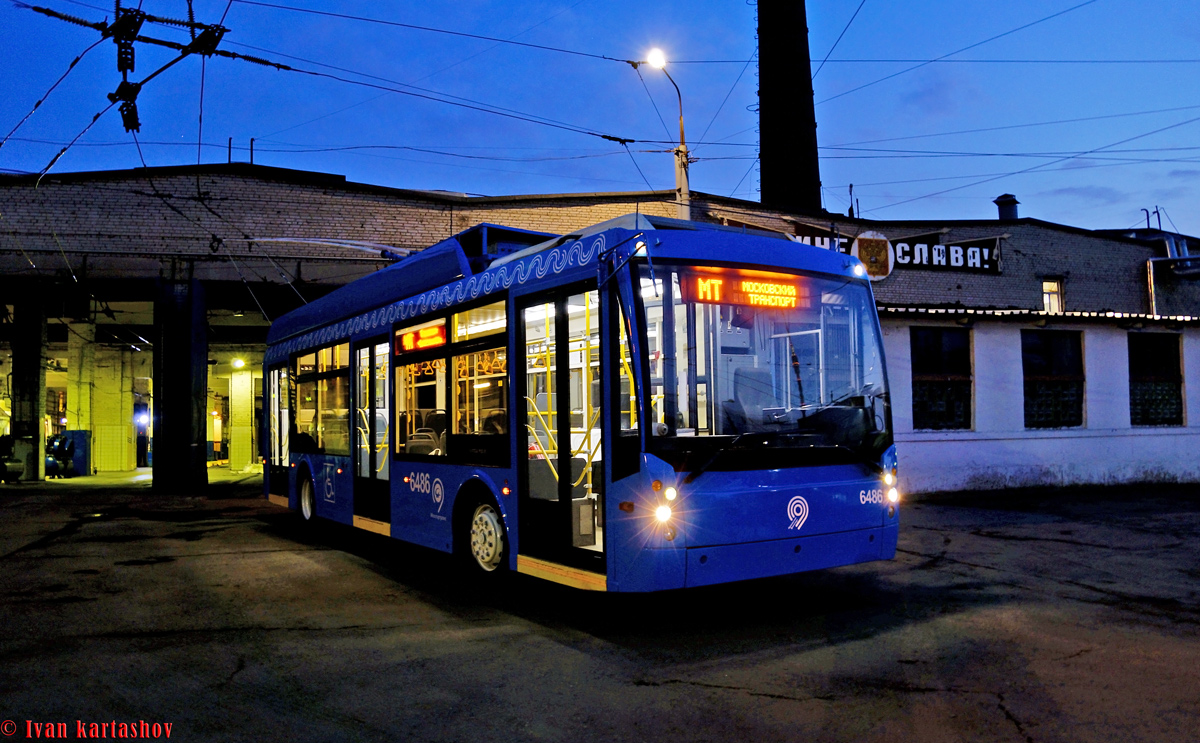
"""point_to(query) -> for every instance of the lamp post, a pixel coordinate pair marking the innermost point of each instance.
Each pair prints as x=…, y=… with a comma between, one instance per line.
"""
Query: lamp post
x=658, y=60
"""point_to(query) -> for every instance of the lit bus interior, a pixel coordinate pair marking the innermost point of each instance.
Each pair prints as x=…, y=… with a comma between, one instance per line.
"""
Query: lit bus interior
x=543, y=406
x=755, y=352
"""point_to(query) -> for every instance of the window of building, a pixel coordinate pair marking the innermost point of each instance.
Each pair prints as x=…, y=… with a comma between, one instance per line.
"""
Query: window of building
x=1052, y=296
x=1053, y=364
x=941, y=377
x=1155, y=379
x=323, y=401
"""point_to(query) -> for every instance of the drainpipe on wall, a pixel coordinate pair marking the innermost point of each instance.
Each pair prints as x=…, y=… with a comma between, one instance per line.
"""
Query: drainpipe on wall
x=1150, y=279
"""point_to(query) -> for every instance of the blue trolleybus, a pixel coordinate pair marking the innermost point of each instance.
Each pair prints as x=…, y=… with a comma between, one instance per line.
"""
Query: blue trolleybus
x=647, y=404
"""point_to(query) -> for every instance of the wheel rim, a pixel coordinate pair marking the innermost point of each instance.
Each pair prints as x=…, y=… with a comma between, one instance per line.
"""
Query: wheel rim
x=306, y=500
x=487, y=538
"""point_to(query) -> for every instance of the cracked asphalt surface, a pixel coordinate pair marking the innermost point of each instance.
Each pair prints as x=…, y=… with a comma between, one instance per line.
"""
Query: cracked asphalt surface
x=1032, y=616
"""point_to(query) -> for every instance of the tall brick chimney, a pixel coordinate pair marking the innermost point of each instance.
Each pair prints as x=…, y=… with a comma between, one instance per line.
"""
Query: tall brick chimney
x=791, y=176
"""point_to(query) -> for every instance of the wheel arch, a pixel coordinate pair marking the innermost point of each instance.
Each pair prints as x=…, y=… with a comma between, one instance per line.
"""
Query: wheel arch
x=472, y=491
x=304, y=472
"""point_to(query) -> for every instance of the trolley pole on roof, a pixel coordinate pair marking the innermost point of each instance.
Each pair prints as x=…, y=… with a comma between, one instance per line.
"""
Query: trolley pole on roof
x=682, y=192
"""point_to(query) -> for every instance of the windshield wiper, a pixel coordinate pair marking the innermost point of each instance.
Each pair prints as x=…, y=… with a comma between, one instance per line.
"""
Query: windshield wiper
x=693, y=474
x=766, y=437
x=857, y=455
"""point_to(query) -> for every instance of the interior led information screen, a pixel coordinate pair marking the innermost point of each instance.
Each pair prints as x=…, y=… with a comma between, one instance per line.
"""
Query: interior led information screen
x=744, y=288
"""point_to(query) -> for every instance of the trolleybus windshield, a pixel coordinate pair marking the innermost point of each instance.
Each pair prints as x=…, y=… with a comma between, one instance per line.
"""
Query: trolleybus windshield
x=740, y=356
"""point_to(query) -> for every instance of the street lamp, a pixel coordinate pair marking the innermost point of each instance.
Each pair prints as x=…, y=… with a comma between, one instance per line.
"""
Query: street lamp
x=658, y=60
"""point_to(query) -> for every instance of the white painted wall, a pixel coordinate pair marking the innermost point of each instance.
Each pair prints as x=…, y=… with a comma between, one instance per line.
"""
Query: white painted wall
x=897, y=352
x=1191, y=377
x=999, y=392
x=1001, y=453
x=1106, y=366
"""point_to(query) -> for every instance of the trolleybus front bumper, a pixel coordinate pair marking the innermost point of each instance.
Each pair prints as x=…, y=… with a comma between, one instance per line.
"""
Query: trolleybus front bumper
x=732, y=562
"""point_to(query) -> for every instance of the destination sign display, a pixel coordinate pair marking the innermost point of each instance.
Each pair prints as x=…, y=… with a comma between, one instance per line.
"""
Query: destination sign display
x=419, y=339
x=744, y=289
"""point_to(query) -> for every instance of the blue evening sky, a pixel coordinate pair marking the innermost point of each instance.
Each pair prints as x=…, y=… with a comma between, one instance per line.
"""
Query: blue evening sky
x=1100, y=104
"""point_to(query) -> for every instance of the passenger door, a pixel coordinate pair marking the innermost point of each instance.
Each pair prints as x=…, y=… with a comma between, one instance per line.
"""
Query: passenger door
x=372, y=414
x=280, y=423
x=560, y=406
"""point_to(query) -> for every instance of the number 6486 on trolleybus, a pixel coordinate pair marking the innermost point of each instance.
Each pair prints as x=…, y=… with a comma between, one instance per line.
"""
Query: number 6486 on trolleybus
x=647, y=404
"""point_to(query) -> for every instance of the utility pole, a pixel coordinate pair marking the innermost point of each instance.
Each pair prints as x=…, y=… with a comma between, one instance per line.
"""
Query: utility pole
x=683, y=196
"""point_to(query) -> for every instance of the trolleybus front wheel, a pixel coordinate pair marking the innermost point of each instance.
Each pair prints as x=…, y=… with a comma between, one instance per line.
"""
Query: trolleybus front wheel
x=485, y=539
x=308, y=500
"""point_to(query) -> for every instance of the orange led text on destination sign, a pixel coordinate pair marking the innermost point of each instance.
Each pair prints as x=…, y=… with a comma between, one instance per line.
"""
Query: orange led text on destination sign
x=415, y=340
x=747, y=292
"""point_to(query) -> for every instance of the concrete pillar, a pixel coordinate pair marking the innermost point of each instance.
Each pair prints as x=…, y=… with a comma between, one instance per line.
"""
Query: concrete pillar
x=29, y=385
x=180, y=388
x=113, y=442
x=241, y=420
x=81, y=371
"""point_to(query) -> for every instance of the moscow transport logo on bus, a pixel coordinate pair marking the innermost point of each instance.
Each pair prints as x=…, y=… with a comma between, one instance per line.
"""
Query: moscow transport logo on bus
x=797, y=510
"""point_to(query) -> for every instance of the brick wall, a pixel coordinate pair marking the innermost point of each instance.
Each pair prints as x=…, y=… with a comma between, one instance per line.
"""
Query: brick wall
x=131, y=220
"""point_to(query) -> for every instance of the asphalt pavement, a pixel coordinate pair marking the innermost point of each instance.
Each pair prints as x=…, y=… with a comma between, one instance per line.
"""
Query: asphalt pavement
x=1054, y=615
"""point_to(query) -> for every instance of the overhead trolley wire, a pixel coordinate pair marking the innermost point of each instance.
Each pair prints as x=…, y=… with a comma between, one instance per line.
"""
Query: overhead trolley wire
x=1014, y=61
x=1040, y=166
x=427, y=94
x=959, y=51
x=446, y=97
x=639, y=168
x=430, y=29
x=743, y=178
x=50, y=90
x=63, y=151
x=1020, y=126
x=725, y=100
x=420, y=79
x=413, y=91
x=839, y=39
x=652, y=103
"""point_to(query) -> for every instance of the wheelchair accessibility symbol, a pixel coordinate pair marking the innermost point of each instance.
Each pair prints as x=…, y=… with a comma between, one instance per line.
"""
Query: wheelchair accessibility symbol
x=330, y=491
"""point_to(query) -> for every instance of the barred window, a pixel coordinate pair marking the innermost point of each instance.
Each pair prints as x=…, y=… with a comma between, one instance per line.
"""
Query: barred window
x=1155, y=380
x=1053, y=364
x=941, y=377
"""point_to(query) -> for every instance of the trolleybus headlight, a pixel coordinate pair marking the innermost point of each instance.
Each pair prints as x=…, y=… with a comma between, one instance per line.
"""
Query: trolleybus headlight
x=889, y=479
x=663, y=514
x=893, y=495
x=670, y=493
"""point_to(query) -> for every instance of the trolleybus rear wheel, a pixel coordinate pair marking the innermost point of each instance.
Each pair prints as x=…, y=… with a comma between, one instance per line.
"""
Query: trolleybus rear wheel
x=486, y=540
x=308, y=500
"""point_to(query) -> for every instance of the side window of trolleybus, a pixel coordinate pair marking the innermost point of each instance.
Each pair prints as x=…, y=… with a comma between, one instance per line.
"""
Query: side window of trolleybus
x=421, y=404
x=323, y=401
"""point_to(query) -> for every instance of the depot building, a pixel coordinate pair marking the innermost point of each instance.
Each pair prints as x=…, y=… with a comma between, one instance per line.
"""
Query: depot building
x=134, y=307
